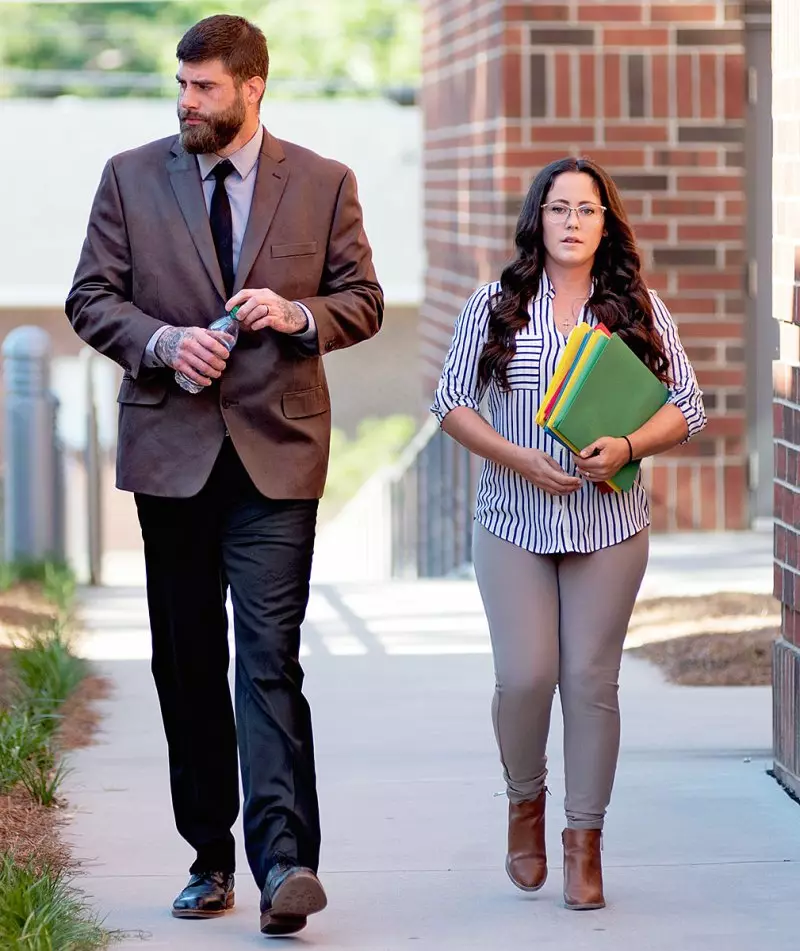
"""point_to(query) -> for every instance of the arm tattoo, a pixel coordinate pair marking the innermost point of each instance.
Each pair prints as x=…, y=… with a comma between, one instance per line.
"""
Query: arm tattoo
x=167, y=345
x=296, y=312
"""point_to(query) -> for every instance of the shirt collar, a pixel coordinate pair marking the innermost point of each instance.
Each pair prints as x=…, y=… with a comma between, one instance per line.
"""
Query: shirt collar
x=546, y=288
x=244, y=160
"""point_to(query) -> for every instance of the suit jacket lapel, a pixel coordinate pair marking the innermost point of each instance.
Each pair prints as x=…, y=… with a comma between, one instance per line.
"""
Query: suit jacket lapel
x=185, y=180
x=271, y=177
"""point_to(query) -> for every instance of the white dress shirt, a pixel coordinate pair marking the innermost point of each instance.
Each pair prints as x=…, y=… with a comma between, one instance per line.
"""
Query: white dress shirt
x=240, y=185
x=509, y=505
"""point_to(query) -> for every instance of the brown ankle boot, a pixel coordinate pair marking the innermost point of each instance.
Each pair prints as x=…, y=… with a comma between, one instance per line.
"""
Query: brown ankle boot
x=526, y=862
x=583, y=871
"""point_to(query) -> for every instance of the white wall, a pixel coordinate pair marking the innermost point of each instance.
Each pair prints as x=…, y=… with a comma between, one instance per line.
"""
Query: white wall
x=47, y=184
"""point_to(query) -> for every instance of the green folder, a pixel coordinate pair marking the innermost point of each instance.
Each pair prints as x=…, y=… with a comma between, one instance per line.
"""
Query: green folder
x=616, y=396
x=571, y=388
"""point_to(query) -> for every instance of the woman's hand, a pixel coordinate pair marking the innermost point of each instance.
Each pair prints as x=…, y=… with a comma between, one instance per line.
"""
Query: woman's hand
x=603, y=459
x=543, y=471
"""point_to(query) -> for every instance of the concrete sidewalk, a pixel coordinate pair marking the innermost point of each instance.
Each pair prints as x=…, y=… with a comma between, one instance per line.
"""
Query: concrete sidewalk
x=702, y=848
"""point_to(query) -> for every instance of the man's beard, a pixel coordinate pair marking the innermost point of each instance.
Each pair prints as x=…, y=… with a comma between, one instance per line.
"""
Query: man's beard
x=216, y=130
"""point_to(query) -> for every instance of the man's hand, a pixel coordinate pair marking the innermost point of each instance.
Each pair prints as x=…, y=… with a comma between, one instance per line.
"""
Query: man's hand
x=262, y=308
x=603, y=459
x=543, y=471
x=198, y=353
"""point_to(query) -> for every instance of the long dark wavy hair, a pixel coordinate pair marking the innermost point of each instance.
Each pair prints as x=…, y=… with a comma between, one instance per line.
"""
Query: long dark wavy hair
x=620, y=298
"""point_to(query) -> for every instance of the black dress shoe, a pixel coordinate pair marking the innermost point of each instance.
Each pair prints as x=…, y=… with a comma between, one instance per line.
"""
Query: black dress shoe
x=207, y=895
x=290, y=895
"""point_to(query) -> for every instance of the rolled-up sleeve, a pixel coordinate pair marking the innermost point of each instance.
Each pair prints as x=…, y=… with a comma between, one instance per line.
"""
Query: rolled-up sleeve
x=458, y=385
x=684, y=391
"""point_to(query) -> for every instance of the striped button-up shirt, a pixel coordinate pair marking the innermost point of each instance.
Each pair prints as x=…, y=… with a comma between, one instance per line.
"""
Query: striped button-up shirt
x=509, y=505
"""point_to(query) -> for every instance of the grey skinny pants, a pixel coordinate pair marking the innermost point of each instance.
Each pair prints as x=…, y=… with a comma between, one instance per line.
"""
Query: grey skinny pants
x=559, y=620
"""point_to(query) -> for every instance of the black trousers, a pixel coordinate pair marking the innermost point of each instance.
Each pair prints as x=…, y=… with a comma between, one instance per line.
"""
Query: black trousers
x=229, y=535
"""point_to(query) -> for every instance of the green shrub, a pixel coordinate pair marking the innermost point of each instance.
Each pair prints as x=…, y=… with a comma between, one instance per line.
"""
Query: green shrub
x=378, y=443
x=58, y=586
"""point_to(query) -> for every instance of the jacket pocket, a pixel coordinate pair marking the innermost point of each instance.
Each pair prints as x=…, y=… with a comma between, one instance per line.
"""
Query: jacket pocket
x=302, y=403
x=146, y=391
x=293, y=250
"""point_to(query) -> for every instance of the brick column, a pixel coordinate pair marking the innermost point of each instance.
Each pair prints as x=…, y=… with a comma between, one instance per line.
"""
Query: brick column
x=655, y=93
x=786, y=291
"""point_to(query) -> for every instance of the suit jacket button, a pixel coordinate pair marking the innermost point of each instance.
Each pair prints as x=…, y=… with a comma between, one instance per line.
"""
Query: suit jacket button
x=225, y=403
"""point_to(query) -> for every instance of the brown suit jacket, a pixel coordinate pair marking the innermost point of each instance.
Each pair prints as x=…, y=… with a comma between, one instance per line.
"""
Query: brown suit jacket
x=149, y=260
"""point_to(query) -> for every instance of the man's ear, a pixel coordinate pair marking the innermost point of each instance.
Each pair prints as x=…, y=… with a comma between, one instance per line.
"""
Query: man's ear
x=254, y=90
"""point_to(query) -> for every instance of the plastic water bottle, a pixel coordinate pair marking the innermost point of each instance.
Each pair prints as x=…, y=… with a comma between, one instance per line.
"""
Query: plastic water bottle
x=227, y=324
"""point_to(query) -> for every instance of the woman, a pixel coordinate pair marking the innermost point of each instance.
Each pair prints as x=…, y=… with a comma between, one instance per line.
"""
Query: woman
x=558, y=562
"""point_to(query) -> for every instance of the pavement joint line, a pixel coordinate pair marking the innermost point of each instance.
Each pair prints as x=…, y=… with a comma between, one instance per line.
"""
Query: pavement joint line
x=325, y=873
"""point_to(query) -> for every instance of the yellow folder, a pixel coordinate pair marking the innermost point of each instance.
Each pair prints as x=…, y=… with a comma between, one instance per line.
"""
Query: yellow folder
x=563, y=368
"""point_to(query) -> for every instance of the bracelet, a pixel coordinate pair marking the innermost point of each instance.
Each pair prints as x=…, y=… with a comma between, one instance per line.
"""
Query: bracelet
x=630, y=450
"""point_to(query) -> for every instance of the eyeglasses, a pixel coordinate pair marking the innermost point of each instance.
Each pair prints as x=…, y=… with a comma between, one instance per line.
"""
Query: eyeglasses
x=559, y=211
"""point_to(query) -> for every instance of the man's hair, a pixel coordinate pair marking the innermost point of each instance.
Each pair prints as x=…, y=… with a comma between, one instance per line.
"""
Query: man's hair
x=240, y=45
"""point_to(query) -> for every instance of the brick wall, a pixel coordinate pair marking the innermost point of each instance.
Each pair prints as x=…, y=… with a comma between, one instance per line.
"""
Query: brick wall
x=654, y=92
x=786, y=297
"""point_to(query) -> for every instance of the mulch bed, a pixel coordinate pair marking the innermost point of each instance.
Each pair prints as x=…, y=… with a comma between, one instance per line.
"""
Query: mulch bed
x=80, y=713
x=741, y=656
x=22, y=608
x=738, y=659
x=32, y=831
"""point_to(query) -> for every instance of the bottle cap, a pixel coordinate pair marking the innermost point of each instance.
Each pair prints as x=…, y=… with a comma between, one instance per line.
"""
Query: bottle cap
x=235, y=310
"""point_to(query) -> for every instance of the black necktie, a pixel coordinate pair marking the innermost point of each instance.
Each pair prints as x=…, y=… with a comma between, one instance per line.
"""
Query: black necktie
x=222, y=224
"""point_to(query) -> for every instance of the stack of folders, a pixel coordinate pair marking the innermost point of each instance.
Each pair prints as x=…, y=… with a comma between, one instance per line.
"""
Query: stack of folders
x=600, y=388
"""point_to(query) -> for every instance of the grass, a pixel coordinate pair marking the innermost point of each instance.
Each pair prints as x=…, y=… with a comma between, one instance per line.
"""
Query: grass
x=46, y=673
x=40, y=911
x=25, y=739
x=46, y=669
x=42, y=777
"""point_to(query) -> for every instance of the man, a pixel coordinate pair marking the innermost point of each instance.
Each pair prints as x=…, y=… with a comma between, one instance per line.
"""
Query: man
x=226, y=481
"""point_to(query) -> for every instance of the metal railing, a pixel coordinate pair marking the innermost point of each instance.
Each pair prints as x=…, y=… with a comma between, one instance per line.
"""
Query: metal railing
x=432, y=495
x=93, y=463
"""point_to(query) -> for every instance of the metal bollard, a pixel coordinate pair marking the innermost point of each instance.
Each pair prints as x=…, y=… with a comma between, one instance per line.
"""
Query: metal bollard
x=33, y=511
